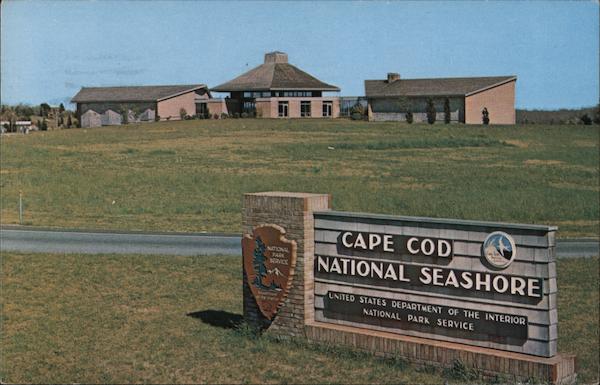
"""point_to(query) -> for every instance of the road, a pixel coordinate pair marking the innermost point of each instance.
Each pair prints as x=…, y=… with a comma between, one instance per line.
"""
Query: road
x=52, y=241
x=56, y=241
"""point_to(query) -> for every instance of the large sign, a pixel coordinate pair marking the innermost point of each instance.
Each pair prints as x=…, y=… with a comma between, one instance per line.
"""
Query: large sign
x=479, y=283
x=269, y=262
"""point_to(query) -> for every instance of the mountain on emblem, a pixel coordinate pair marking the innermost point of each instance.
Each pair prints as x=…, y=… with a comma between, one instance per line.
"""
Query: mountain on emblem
x=276, y=272
x=269, y=262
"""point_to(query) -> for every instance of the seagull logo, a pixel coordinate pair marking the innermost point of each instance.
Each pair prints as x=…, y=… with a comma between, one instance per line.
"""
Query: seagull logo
x=499, y=249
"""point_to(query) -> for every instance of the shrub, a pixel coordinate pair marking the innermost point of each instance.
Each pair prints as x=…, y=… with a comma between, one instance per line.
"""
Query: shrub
x=356, y=116
x=224, y=115
x=485, y=116
x=430, y=111
x=409, y=117
x=244, y=115
x=357, y=109
x=236, y=115
x=447, y=111
x=216, y=116
x=44, y=125
x=156, y=117
x=207, y=113
x=182, y=113
x=585, y=119
x=69, y=121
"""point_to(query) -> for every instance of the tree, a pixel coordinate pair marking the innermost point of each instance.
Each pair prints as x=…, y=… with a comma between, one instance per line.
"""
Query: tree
x=597, y=115
x=485, y=116
x=24, y=111
x=10, y=116
x=61, y=108
x=123, y=110
x=430, y=111
x=447, y=111
x=44, y=109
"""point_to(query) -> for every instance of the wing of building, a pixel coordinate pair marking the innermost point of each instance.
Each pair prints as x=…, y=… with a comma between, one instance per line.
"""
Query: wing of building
x=393, y=98
x=137, y=103
x=276, y=89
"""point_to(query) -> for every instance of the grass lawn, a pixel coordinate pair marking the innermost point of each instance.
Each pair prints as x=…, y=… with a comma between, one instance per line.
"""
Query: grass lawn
x=190, y=175
x=124, y=319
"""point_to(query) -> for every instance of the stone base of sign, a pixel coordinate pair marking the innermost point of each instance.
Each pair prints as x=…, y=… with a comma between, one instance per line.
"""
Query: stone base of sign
x=489, y=363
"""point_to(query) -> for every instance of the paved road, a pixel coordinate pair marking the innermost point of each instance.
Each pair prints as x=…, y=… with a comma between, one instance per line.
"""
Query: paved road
x=53, y=241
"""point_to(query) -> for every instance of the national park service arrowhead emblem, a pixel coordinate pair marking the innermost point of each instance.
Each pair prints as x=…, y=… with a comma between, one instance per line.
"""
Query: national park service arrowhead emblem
x=269, y=262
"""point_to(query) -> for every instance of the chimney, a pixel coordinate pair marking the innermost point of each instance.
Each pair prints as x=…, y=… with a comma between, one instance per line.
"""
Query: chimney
x=392, y=77
x=276, y=57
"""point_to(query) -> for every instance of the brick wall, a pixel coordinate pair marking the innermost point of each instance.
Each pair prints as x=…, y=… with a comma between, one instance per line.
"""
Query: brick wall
x=500, y=102
x=169, y=108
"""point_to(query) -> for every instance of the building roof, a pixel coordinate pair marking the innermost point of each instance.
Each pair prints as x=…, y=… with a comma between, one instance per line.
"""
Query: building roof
x=275, y=74
x=433, y=87
x=133, y=93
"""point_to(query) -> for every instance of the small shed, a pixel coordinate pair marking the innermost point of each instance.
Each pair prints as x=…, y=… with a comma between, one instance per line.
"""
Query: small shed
x=148, y=116
x=111, y=118
x=91, y=118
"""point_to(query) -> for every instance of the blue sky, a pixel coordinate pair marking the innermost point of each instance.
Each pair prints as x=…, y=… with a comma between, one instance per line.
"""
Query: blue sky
x=52, y=48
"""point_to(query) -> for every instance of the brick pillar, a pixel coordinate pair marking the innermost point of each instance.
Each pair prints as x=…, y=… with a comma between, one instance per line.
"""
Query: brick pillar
x=294, y=213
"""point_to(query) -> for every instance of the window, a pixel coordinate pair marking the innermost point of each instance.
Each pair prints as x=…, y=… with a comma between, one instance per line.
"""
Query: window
x=305, y=109
x=297, y=94
x=327, y=108
x=249, y=107
x=252, y=95
x=283, y=109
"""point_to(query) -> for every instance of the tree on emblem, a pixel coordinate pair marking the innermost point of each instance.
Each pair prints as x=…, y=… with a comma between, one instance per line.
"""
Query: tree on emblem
x=259, y=263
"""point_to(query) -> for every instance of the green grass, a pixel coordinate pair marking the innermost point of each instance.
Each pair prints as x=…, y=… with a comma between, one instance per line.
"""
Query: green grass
x=126, y=319
x=190, y=175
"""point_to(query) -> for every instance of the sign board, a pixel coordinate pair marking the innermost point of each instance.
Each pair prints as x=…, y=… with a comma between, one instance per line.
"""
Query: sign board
x=269, y=262
x=478, y=283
